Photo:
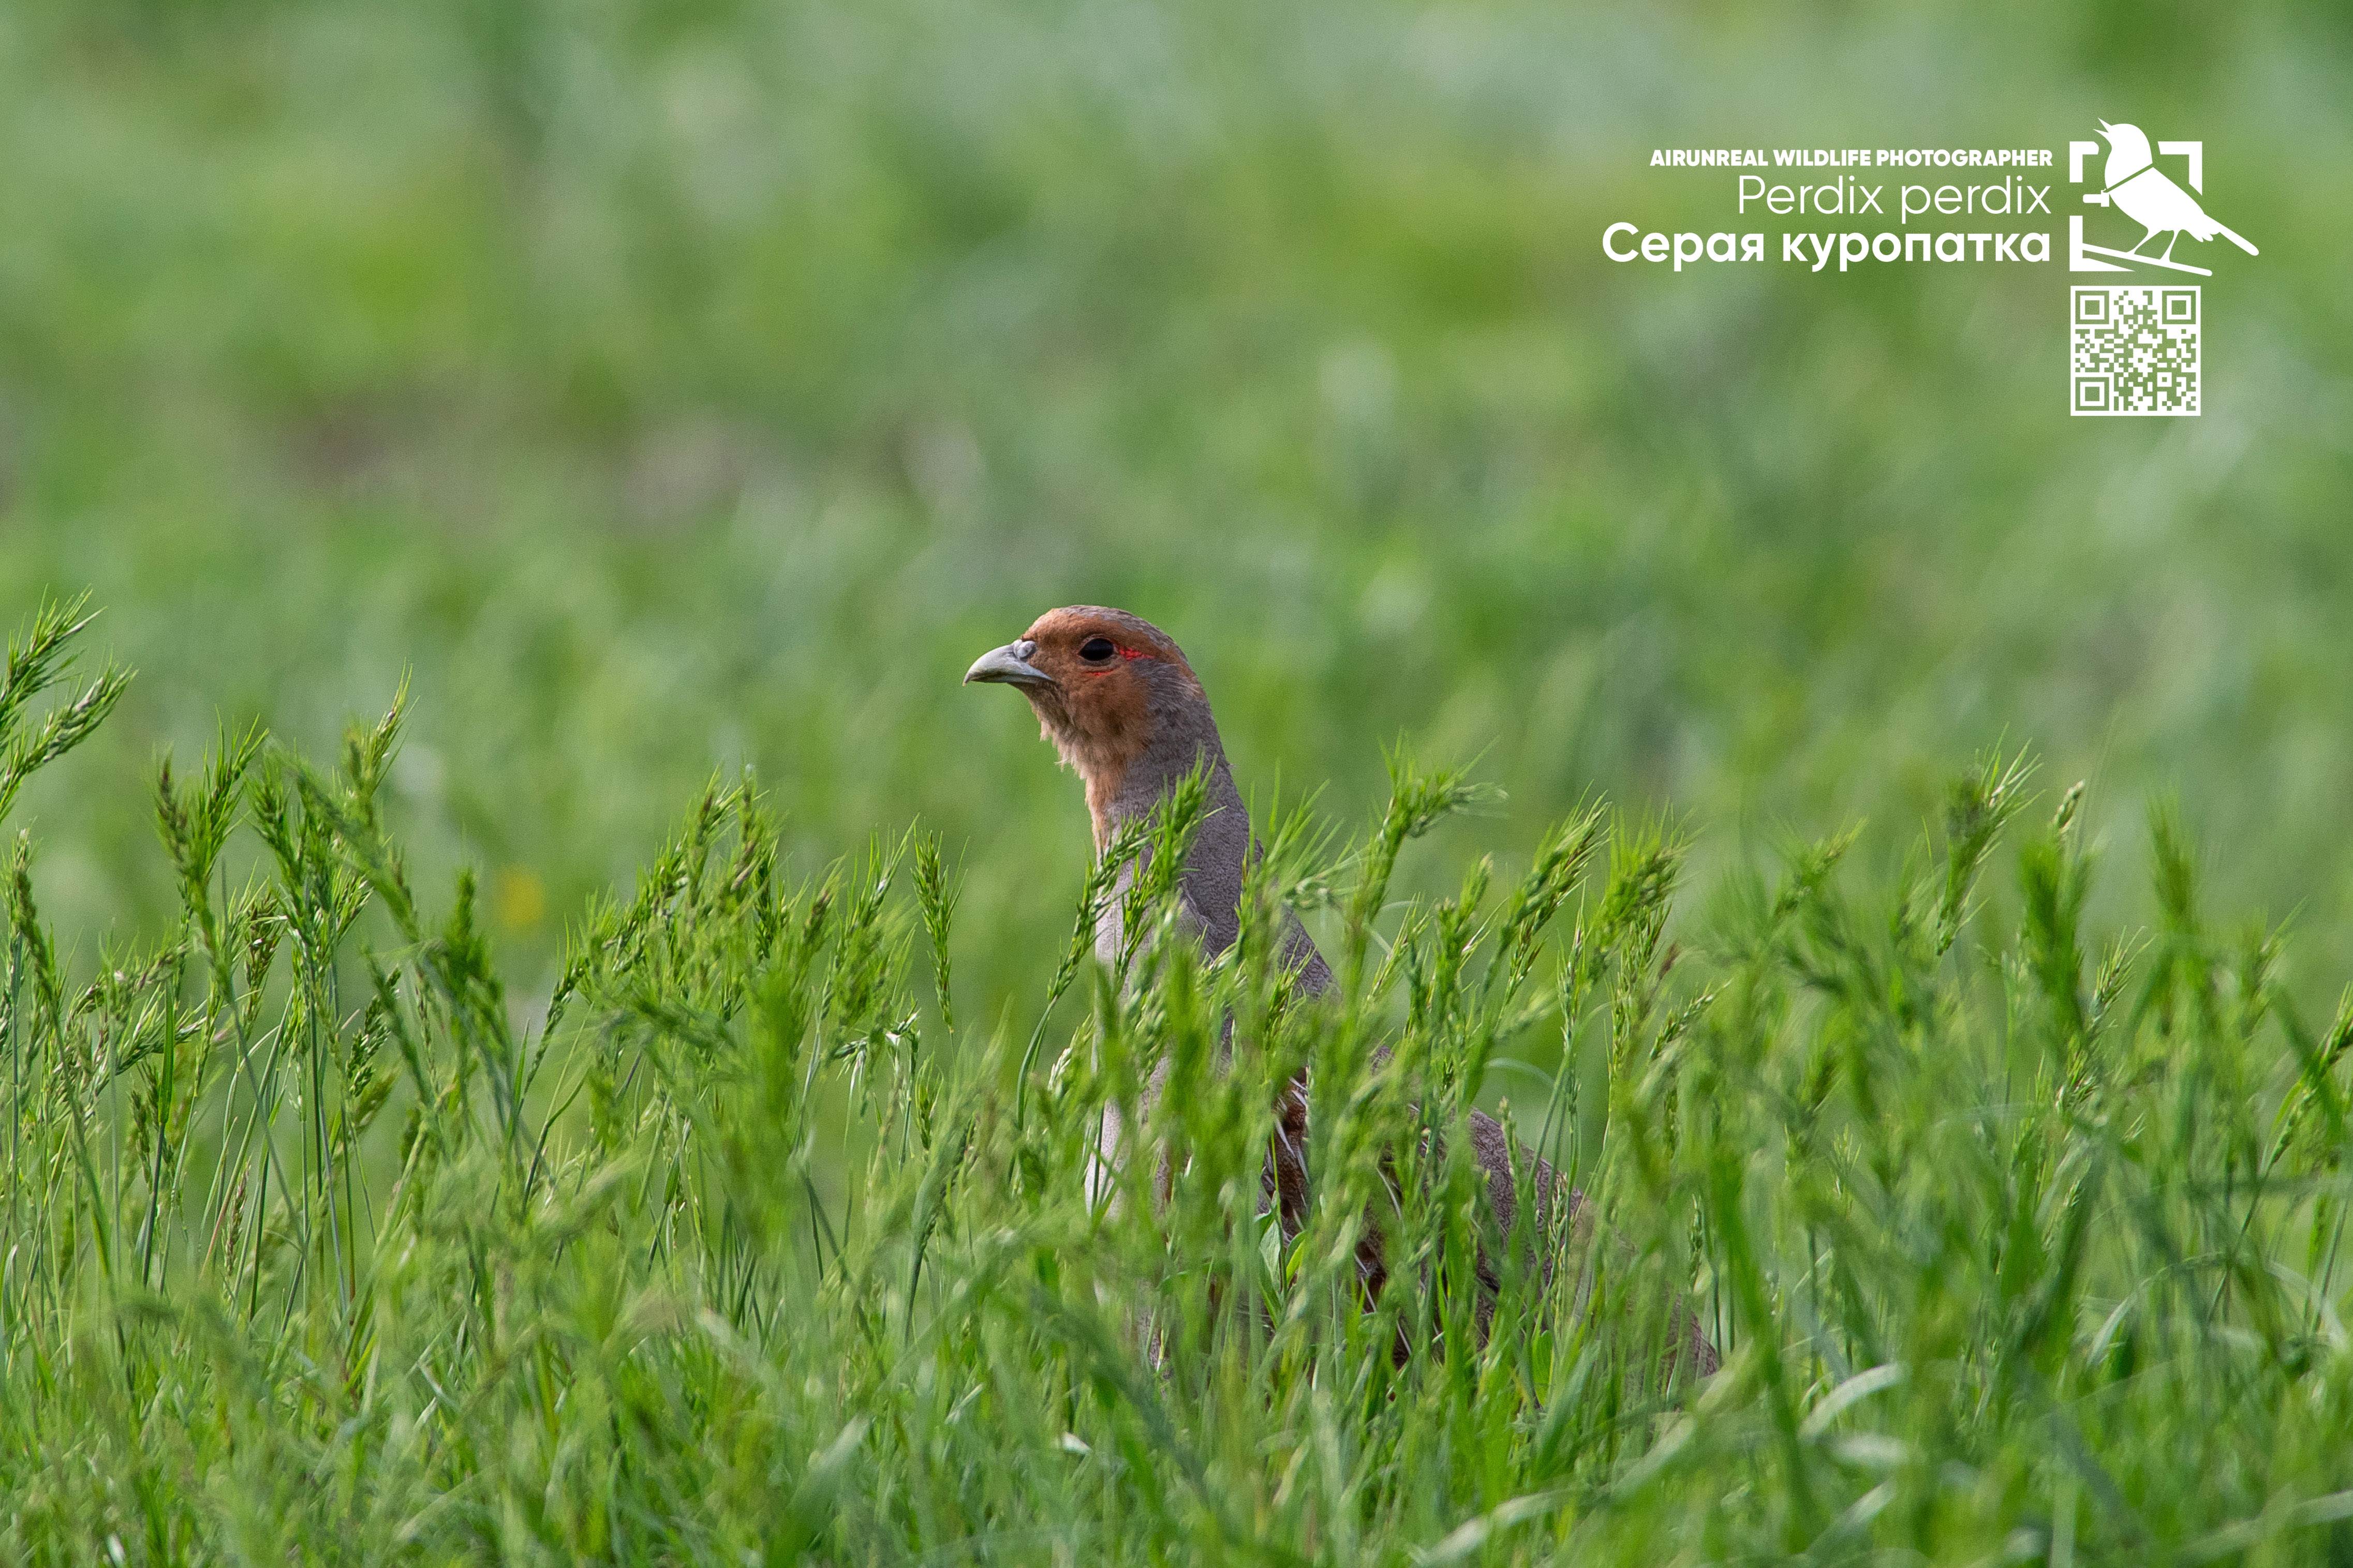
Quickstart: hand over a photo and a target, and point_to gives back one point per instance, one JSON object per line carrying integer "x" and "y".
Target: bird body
{"x": 1124, "y": 710}
{"x": 1118, "y": 700}
{"x": 2143, "y": 193}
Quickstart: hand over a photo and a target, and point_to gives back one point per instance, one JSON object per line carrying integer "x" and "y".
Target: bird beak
{"x": 1010, "y": 665}
{"x": 2105, "y": 127}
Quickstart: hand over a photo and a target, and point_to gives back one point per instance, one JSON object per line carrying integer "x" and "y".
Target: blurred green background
{"x": 673, "y": 386}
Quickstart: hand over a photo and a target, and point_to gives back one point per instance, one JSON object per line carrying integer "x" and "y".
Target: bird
{"x": 1122, "y": 707}
{"x": 2146, "y": 195}
{"x": 1121, "y": 703}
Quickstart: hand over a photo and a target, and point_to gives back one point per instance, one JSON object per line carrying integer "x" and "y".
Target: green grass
{"x": 663, "y": 391}
{"x": 2022, "y": 1238}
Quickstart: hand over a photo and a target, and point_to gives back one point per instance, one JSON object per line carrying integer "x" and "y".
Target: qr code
{"x": 2133, "y": 350}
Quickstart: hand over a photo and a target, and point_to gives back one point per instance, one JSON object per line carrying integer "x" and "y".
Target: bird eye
{"x": 1096, "y": 649}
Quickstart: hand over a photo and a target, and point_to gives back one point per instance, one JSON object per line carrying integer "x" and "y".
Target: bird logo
{"x": 2133, "y": 185}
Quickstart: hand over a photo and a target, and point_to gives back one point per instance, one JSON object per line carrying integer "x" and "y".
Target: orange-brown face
{"x": 1092, "y": 674}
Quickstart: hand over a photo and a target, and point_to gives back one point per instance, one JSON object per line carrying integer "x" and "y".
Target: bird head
{"x": 2128, "y": 143}
{"x": 1110, "y": 689}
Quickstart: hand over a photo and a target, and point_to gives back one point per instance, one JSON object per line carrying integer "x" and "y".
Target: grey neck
{"x": 1184, "y": 734}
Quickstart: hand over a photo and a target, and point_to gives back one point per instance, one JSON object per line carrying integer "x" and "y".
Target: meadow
{"x": 2020, "y": 1242}
{"x": 500, "y": 1139}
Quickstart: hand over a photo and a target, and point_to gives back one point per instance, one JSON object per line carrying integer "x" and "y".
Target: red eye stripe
{"x": 1125, "y": 652}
